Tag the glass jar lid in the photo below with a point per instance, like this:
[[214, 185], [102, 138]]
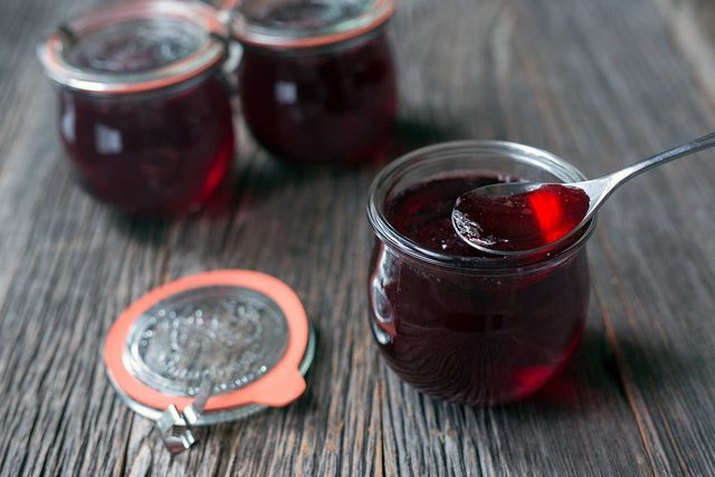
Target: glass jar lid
[[241, 338], [291, 24], [135, 47]]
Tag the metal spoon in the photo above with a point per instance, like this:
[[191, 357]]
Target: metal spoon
[[505, 198]]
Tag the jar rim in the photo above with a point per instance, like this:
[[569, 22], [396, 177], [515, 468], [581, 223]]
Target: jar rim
[[212, 50], [247, 28], [527, 155]]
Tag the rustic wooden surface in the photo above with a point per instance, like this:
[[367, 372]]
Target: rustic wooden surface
[[600, 82]]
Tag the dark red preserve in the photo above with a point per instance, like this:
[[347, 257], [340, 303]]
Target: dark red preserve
[[317, 80], [453, 322], [144, 113], [523, 221]]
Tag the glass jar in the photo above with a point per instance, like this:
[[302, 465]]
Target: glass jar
[[455, 323], [144, 113], [317, 79]]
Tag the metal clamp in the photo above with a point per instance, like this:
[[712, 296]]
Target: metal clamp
[[176, 428]]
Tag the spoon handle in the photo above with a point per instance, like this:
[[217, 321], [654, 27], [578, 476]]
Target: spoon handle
[[699, 144]]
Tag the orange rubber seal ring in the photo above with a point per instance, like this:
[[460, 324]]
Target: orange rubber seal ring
[[279, 386]]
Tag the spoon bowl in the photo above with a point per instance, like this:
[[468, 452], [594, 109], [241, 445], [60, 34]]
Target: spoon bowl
[[546, 215], [525, 218]]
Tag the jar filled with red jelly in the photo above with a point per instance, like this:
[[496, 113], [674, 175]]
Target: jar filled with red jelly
[[454, 322], [144, 112], [317, 79]]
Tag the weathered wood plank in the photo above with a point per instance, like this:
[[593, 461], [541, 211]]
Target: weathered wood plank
[[67, 269], [654, 259], [599, 82], [690, 22]]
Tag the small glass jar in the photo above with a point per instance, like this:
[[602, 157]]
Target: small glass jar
[[467, 327], [317, 79], [144, 112]]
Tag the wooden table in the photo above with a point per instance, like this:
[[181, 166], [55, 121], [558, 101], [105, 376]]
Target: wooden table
[[599, 82]]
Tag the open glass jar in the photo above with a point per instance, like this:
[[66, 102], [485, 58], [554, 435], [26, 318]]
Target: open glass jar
[[453, 322], [144, 113], [317, 78]]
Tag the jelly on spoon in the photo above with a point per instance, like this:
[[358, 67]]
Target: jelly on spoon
[[531, 217], [546, 214]]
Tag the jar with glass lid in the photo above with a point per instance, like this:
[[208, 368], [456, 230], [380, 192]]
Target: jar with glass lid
[[144, 112], [317, 78]]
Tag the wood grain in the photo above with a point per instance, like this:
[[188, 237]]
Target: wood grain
[[600, 82]]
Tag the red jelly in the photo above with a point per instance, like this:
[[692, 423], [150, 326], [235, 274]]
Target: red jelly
[[144, 113], [317, 80], [520, 222], [456, 323]]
